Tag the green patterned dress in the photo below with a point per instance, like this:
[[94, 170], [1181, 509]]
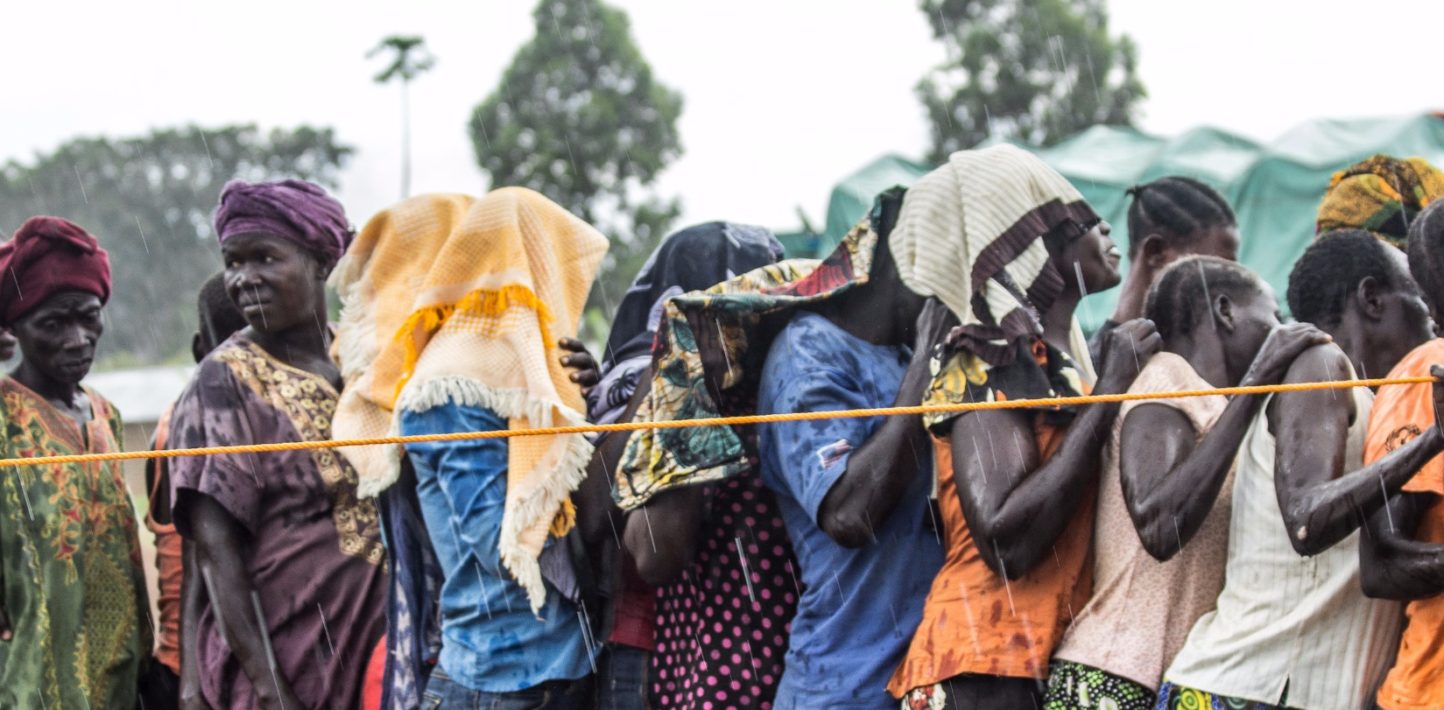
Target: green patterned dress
[[73, 582]]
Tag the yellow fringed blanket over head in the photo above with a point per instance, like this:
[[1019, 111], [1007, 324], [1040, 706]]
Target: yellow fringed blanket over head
[[451, 298]]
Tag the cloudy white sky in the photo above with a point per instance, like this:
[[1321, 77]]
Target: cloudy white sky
[[783, 97]]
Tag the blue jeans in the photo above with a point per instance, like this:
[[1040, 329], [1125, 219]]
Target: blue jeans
[[443, 692], [622, 678]]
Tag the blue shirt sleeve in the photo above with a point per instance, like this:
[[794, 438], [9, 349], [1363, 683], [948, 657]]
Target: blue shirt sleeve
[[806, 458], [470, 475]]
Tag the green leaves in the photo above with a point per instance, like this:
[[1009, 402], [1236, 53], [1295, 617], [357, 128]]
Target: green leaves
[[1036, 71], [579, 118], [149, 200]]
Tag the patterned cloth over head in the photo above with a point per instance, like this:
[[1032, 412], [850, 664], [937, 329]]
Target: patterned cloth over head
[[1381, 195], [708, 359], [456, 299]]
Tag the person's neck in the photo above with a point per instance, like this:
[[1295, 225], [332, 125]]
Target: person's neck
[[1206, 359], [1133, 296], [1351, 337], [297, 345], [1058, 321], [865, 313], [62, 393]]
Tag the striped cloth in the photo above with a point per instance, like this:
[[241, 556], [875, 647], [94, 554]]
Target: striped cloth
[[982, 214]]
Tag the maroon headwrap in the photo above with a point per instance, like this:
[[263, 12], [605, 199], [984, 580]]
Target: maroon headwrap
[[48, 255], [293, 209]]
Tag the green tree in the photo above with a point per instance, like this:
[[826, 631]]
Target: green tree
[[579, 118], [410, 59], [149, 200], [1030, 70]]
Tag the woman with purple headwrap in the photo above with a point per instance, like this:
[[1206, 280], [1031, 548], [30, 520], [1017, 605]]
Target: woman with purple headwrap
[[289, 555]]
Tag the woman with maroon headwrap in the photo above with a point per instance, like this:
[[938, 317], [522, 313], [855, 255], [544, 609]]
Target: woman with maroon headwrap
[[72, 632], [289, 555]]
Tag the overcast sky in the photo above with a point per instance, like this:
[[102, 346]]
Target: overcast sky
[[783, 97]]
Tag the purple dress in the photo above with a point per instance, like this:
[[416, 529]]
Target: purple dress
[[314, 549]]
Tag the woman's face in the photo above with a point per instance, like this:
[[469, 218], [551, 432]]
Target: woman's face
[[1090, 261], [58, 338], [275, 283]]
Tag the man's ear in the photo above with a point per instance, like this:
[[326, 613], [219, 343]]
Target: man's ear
[[1369, 298]]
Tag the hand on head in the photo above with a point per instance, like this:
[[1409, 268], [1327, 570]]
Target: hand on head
[[1128, 349]]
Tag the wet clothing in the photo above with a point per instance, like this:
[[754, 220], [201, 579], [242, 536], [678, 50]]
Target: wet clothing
[[976, 623], [1402, 412], [491, 640], [413, 609], [74, 586], [861, 605], [722, 627], [1283, 620], [1074, 686], [313, 549], [169, 563], [1173, 697], [1142, 610]]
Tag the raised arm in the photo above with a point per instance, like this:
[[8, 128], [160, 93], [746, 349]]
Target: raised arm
[[880, 470], [1322, 503], [1393, 565], [1015, 505], [1170, 478], [598, 517], [219, 538]]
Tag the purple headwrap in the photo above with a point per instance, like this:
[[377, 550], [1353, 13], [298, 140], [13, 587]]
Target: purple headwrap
[[294, 209]]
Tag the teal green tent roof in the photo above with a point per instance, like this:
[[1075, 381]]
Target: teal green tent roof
[[1274, 188]]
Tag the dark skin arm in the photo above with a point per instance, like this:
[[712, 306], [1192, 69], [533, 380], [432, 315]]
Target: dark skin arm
[[1321, 503], [1170, 478], [1393, 565], [661, 535], [598, 517], [881, 469], [1016, 507], [193, 602], [219, 538]]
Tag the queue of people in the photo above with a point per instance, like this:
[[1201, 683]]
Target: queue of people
[[1211, 551]]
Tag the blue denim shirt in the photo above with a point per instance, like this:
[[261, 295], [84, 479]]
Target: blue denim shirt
[[490, 640], [859, 607]]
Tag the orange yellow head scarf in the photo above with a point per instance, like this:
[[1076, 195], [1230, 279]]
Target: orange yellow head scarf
[[455, 299]]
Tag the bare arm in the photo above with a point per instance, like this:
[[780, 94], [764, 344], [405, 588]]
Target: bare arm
[[193, 602], [662, 535], [598, 517], [1016, 507], [218, 539], [1170, 478], [1321, 502], [1393, 565], [881, 469]]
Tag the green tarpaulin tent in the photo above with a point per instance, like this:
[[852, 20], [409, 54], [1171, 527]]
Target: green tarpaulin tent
[[1274, 188]]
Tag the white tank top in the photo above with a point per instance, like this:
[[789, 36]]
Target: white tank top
[[1285, 620]]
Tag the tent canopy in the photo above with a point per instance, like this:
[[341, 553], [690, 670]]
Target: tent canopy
[[1274, 188]]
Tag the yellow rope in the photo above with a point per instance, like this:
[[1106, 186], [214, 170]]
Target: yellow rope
[[721, 421]]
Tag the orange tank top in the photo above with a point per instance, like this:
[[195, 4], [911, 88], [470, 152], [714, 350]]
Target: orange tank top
[[168, 563], [976, 622]]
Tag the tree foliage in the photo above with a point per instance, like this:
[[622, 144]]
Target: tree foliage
[[149, 200], [579, 118], [1031, 70]]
